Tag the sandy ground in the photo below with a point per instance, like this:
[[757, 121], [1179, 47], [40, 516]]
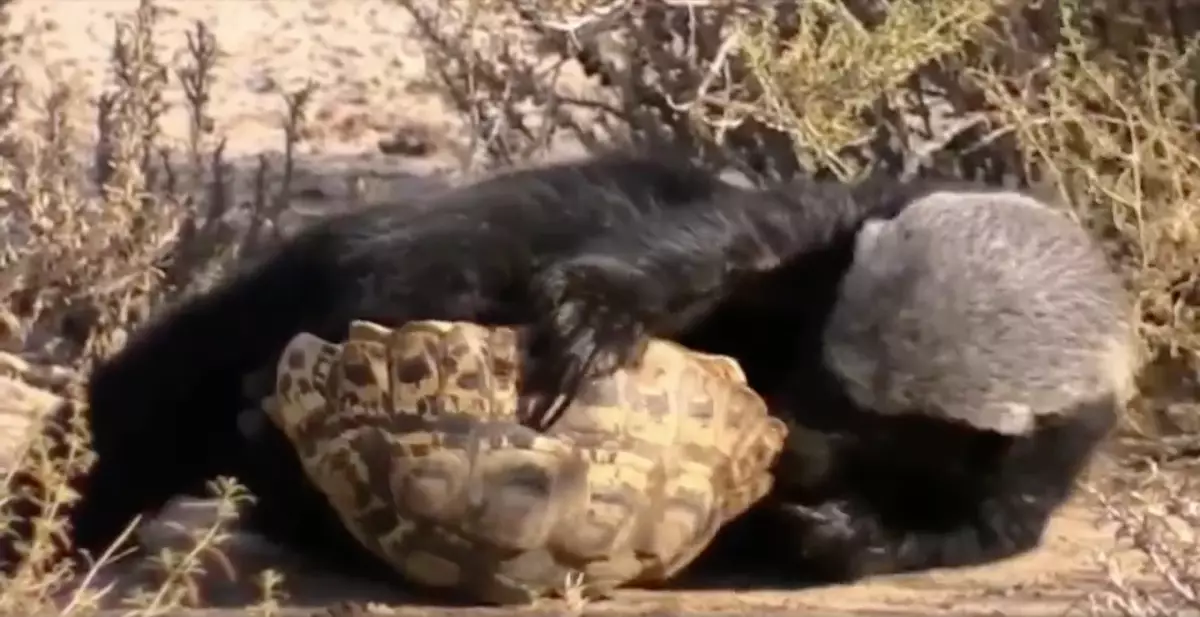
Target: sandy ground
[[1046, 582], [368, 71], [369, 74], [371, 85]]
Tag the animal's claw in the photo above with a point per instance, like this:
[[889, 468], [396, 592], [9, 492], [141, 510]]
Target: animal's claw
[[590, 326], [831, 518]]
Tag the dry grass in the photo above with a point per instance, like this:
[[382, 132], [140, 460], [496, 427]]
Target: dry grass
[[1158, 517], [94, 242], [86, 260]]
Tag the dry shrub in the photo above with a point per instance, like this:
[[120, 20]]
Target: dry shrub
[[93, 241], [767, 89], [1159, 519]]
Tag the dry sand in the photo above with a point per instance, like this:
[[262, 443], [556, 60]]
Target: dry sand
[[1046, 582], [369, 74]]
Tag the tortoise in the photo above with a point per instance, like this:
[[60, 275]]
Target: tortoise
[[412, 434]]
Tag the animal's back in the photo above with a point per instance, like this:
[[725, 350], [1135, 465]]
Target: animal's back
[[987, 307]]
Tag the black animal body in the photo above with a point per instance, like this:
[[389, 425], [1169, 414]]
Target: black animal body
[[595, 256], [958, 374], [166, 411]]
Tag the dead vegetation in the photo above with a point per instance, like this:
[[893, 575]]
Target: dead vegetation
[[93, 244], [1096, 103]]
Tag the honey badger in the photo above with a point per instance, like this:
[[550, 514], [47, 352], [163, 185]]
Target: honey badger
[[592, 257]]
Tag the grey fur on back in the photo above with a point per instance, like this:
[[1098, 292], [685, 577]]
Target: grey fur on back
[[985, 307]]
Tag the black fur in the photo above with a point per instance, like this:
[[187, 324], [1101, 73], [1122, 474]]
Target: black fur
[[912, 493]]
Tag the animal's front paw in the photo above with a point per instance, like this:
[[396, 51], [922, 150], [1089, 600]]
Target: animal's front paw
[[827, 525], [830, 542], [591, 322]]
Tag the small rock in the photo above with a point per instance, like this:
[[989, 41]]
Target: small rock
[[408, 141], [261, 83]]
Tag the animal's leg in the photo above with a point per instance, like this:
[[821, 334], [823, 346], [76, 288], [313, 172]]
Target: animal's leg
[[954, 517], [670, 271]]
